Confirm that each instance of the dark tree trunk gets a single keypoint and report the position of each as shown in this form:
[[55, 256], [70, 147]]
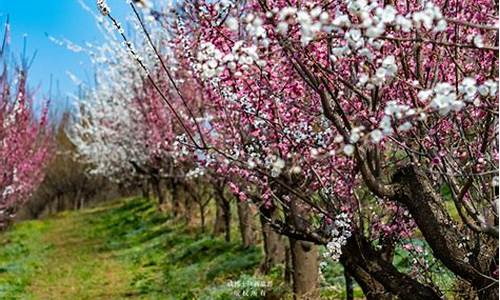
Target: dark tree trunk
[[379, 278], [274, 243], [202, 216], [349, 289], [159, 193], [176, 198], [222, 224], [288, 264], [444, 235], [145, 189], [246, 222]]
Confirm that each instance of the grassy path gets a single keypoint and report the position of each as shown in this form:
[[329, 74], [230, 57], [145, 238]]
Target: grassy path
[[122, 250], [64, 257], [77, 267]]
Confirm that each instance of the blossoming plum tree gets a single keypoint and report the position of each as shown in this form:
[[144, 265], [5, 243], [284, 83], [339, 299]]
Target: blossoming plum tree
[[25, 140], [360, 121]]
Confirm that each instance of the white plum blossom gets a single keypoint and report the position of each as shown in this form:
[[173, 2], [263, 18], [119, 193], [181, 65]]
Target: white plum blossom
[[478, 41], [403, 23], [210, 61], [387, 14], [348, 149], [282, 27], [389, 64], [277, 167], [255, 27], [441, 25], [488, 88], [445, 99], [376, 136], [309, 26], [339, 52], [428, 16], [341, 231], [287, 12], [341, 21], [405, 126], [356, 134], [357, 7], [388, 70], [232, 23], [468, 88], [354, 38], [310, 22], [424, 95]]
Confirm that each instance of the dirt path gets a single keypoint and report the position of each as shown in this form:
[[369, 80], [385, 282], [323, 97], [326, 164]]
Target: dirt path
[[77, 267]]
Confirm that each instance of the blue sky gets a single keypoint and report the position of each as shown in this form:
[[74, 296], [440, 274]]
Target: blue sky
[[62, 19]]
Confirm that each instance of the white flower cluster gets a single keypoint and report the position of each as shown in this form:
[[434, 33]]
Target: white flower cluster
[[478, 41], [430, 15], [103, 7], [373, 20], [356, 134], [310, 21], [232, 24], [385, 72], [195, 173], [468, 88], [243, 56], [212, 62], [209, 58], [340, 232], [396, 111], [275, 164], [488, 89], [444, 99], [255, 26]]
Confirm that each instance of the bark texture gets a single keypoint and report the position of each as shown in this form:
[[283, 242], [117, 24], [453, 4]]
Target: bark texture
[[246, 222], [274, 243]]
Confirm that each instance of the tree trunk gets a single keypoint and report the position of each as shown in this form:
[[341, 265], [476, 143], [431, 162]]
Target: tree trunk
[[159, 193], [202, 216], [305, 257], [444, 235], [176, 198], [223, 215], [247, 226], [378, 278], [82, 202], [349, 291], [274, 244], [305, 261], [219, 219], [145, 189], [288, 264]]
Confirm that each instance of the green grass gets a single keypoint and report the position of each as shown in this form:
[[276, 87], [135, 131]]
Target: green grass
[[123, 250], [127, 249], [21, 254]]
